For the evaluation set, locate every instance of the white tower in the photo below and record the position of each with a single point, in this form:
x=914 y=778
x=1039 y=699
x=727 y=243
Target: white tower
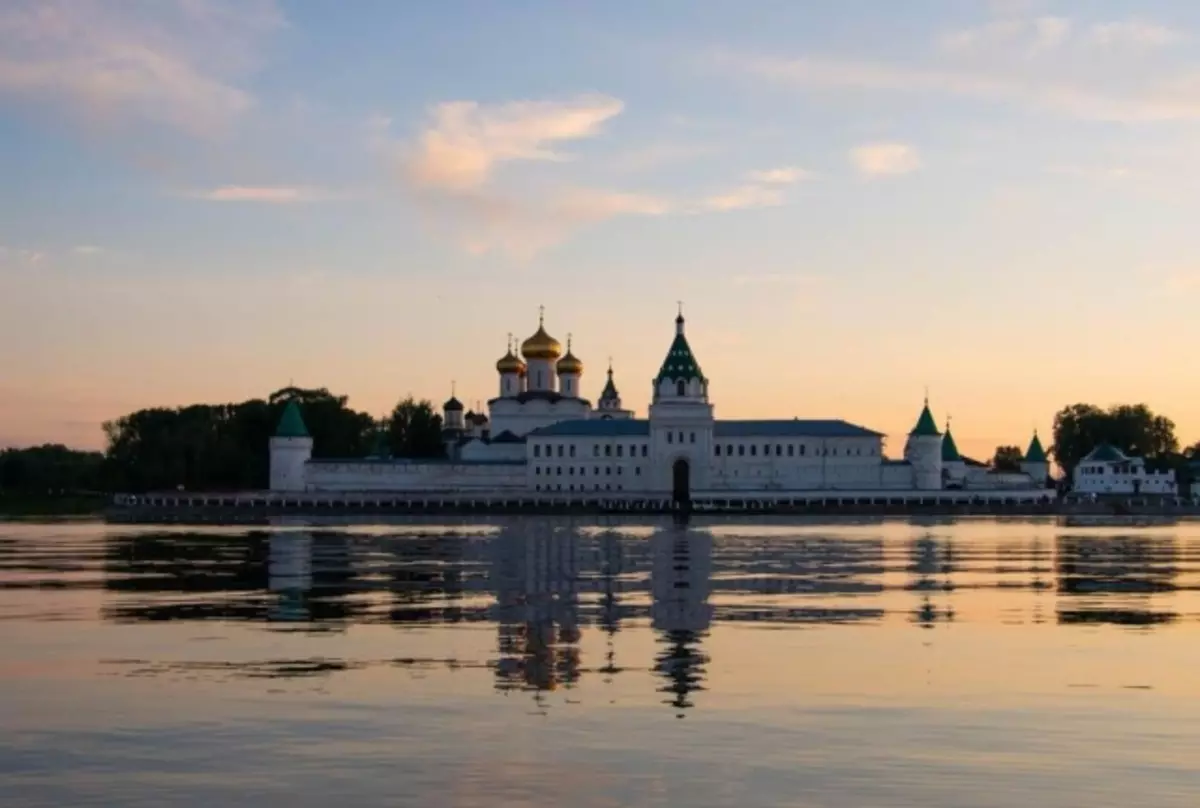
x=569 y=370
x=609 y=404
x=540 y=352
x=1035 y=463
x=453 y=426
x=290 y=449
x=924 y=451
x=681 y=420
x=512 y=373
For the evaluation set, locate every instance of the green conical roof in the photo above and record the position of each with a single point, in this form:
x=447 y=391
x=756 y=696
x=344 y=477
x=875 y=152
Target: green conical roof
x=680 y=362
x=1035 y=453
x=949 y=448
x=291 y=423
x=925 y=423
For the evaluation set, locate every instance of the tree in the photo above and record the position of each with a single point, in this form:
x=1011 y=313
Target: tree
x=1007 y=459
x=1192 y=452
x=415 y=429
x=1134 y=429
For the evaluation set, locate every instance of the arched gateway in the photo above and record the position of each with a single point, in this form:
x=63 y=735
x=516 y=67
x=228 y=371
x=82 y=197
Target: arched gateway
x=681 y=484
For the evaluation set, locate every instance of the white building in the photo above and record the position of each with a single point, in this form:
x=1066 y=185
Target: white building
x=542 y=436
x=1108 y=470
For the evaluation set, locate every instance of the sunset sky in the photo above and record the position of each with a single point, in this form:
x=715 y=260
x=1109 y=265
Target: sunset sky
x=203 y=200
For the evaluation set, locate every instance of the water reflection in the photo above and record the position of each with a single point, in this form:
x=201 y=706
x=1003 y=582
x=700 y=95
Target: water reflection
x=680 y=582
x=1125 y=580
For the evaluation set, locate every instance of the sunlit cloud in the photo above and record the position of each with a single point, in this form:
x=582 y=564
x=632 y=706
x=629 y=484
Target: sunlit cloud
x=465 y=140
x=1135 y=33
x=172 y=62
x=885 y=159
x=264 y=194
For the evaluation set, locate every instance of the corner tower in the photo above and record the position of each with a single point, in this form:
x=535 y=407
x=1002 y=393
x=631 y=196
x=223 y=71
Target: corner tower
x=290 y=448
x=924 y=451
x=1035 y=463
x=681 y=419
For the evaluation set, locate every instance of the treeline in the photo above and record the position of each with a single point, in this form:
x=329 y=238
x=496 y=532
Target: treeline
x=1135 y=429
x=218 y=447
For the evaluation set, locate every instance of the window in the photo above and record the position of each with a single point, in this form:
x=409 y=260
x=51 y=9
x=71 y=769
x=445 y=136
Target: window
x=691 y=437
x=766 y=450
x=537 y=470
x=608 y=471
x=537 y=450
x=717 y=450
x=791 y=450
x=596 y=471
x=645 y=449
x=637 y=471
x=595 y=450
x=802 y=450
x=620 y=450
x=539 y=379
x=558 y=471
x=778 y=450
x=571 y=451
x=753 y=451
x=741 y=450
x=560 y=450
x=670 y=437
x=571 y=471
x=537 y=487
x=571 y=487
x=619 y=470
x=680 y=388
x=608 y=451
x=681 y=437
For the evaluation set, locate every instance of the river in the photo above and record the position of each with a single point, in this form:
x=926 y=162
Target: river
x=559 y=662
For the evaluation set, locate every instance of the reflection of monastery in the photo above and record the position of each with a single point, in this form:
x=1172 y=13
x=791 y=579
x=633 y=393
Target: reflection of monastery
x=541 y=437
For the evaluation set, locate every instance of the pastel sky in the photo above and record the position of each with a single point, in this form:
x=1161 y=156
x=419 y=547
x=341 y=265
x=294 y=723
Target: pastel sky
x=203 y=200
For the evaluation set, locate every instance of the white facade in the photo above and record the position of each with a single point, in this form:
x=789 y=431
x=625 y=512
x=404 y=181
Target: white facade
x=1108 y=470
x=541 y=436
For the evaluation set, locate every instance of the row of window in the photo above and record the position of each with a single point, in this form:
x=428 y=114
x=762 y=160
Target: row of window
x=742 y=449
x=558 y=470
x=581 y=487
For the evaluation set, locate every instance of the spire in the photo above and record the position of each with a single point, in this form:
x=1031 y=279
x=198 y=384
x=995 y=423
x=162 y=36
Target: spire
x=949 y=447
x=541 y=316
x=680 y=362
x=610 y=393
x=1035 y=453
x=291 y=423
x=926 y=426
x=610 y=367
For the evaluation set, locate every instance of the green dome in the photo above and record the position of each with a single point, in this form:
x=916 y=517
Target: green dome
x=291 y=423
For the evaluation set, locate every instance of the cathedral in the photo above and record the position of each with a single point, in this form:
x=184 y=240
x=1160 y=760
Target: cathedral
x=541 y=436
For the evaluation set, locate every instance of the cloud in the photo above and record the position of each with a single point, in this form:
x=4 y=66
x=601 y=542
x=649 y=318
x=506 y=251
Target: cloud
x=779 y=176
x=776 y=279
x=171 y=62
x=465 y=140
x=1104 y=173
x=1163 y=101
x=265 y=194
x=1028 y=35
x=763 y=189
x=885 y=159
x=87 y=249
x=1135 y=33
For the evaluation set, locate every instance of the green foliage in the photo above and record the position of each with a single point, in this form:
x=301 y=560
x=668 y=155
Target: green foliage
x=1133 y=428
x=49 y=469
x=415 y=429
x=1007 y=459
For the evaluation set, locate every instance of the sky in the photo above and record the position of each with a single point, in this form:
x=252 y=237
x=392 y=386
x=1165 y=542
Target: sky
x=207 y=200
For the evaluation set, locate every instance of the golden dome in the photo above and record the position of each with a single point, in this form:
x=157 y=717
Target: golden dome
x=541 y=345
x=510 y=362
x=569 y=363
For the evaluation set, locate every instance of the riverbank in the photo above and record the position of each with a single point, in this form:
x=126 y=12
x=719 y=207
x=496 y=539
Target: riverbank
x=50 y=506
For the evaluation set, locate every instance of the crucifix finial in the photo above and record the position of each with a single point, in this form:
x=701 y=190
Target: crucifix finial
x=610 y=366
x=541 y=315
x=453 y=386
x=510 y=344
x=568 y=343
x=926 y=395
x=680 y=304
x=947 y=422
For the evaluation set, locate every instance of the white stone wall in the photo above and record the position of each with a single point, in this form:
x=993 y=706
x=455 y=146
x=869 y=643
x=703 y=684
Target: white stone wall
x=477 y=450
x=1101 y=478
x=573 y=465
x=568 y=384
x=405 y=475
x=522 y=418
x=540 y=375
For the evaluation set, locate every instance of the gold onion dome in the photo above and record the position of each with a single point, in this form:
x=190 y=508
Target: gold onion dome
x=569 y=363
x=541 y=345
x=510 y=362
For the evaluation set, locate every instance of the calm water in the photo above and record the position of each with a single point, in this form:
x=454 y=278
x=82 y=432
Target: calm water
x=562 y=663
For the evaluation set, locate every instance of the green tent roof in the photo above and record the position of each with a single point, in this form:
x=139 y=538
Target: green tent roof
x=949 y=448
x=925 y=423
x=291 y=423
x=680 y=362
x=1105 y=453
x=1035 y=453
